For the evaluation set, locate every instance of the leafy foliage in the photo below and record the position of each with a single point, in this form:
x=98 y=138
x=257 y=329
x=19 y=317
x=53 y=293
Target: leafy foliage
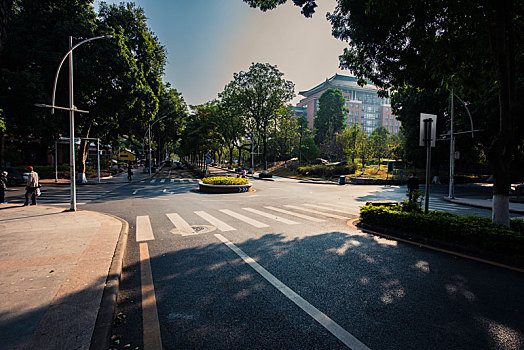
x=327 y=170
x=467 y=231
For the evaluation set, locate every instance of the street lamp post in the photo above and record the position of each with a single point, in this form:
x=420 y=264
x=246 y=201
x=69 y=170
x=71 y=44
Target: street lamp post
x=71 y=110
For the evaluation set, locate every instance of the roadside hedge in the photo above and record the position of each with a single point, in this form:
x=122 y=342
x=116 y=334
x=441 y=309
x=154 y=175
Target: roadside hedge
x=225 y=180
x=327 y=170
x=473 y=232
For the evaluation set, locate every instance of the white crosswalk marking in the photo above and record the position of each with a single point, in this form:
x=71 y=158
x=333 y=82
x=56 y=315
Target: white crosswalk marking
x=163 y=180
x=144 y=232
x=316 y=212
x=153 y=181
x=182 y=227
x=271 y=216
x=241 y=217
x=172 y=180
x=222 y=226
x=298 y=215
x=327 y=208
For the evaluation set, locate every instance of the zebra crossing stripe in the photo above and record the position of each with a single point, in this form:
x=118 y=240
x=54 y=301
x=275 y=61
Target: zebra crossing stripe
x=241 y=217
x=144 y=232
x=327 y=208
x=317 y=212
x=153 y=181
x=222 y=226
x=298 y=215
x=271 y=216
x=182 y=227
x=163 y=180
x=172 y=180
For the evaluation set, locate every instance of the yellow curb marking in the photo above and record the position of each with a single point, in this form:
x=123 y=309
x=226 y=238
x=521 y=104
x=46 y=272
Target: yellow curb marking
x=150 y=323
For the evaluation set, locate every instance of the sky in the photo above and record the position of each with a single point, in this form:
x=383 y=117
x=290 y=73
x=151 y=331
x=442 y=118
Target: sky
x=209 y=40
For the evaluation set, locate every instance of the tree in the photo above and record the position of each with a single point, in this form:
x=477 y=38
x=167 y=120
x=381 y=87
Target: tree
x=424 y=44
x=330 y=116
x=258 y=94
x=303 y=131
x=379 y=145
x=349 y=138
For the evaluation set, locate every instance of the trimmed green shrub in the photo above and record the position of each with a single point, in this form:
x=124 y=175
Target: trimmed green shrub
x=468 y=231
x=327 y=170
x=225 y=180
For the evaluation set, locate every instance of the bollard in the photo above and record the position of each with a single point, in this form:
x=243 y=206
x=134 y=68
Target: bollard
x=342 y=180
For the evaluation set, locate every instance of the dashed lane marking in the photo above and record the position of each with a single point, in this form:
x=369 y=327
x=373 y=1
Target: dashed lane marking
x=334 y=328
x=272 y=216
x=246 y=219
x=144 y=232
x=317 y=212
x=222 y=226
x=298 y=215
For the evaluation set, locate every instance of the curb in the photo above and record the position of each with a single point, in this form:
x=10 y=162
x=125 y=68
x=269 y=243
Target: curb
x=453 y=200
x=372 y=230
x=100 y=339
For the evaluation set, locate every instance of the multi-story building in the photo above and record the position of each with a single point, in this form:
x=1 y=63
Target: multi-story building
x=364 y=106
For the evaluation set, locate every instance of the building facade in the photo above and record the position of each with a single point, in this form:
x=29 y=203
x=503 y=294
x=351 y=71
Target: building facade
x=365 y=107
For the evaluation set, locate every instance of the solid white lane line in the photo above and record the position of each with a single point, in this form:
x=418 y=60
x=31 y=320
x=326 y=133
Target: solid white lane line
x=222 y=226
x=182 y=227
x=144 y=232
x=241 y=217
x=272 y=216
x=163 y=180
x=344 y=336
x=317 y=212
x=151 y=325
x=298 y=215
x=328 y=208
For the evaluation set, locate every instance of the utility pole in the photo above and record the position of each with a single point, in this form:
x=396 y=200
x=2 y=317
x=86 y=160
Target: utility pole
x=427 y=140
x=451 y=192
x=71 y=128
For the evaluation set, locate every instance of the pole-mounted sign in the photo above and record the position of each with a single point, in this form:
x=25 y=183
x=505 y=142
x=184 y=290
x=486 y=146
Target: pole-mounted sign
x=422 y=135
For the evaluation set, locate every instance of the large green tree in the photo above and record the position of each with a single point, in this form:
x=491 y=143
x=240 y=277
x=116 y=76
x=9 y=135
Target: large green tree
x=468 y=44
x=259 y=94
x=330 y=116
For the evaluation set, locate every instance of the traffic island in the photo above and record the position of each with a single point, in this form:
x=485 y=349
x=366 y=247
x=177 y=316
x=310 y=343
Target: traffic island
x=224 y=184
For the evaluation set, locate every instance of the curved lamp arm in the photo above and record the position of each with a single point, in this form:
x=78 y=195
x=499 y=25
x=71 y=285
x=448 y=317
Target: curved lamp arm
x=62 y=61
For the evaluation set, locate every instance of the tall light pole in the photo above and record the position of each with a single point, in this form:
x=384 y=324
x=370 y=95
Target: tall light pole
x=71 y=110
x=149 y=130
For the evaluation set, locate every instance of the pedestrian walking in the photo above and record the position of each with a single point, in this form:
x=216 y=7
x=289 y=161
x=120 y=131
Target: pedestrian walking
x=129 y=172
x=32 y=187
x=3 y=186
x=413 y=182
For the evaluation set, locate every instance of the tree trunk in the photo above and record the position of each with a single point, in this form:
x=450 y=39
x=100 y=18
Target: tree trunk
x=501 y=149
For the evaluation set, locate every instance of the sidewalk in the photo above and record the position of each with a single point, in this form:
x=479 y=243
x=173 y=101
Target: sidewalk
x=59 y=277
x=517 y=208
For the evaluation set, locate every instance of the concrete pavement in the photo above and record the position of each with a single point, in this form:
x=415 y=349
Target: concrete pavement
x=59 y=276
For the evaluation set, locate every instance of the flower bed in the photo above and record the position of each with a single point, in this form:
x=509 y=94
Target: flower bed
x=224 y=184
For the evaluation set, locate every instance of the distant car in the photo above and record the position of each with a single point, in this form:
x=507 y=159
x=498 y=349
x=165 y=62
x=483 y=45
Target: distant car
x=16 y=176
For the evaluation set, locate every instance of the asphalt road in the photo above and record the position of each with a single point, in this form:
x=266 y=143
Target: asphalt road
x=260 y=270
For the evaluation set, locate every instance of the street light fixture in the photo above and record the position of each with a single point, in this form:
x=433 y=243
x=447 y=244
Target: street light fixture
x=71 y=109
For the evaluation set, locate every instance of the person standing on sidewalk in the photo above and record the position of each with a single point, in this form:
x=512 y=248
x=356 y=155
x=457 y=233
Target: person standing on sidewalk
x=32 y=187
x=3 y=186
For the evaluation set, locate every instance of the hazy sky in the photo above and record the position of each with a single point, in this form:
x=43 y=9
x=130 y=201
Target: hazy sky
x=209 y=40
